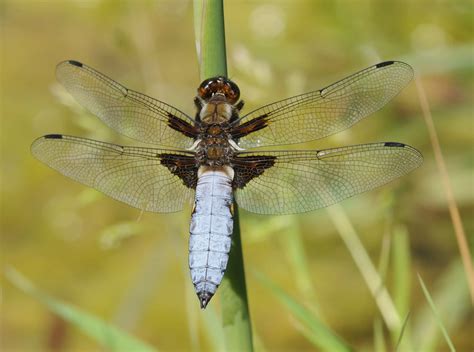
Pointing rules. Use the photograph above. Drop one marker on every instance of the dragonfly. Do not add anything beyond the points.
(215, 157)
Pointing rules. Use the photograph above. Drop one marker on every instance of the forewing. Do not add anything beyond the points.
(145, 178)
(128, 112)
(285, 182)
(321, 113)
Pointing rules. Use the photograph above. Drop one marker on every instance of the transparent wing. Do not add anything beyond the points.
(140, 177)
(128, 112)
(288, 182)
(321, 113)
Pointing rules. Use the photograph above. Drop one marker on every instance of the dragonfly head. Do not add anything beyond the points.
(218, 88)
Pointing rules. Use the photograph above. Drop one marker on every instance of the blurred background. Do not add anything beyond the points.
(131, 269)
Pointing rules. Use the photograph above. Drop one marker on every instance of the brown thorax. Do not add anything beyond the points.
(214, 148)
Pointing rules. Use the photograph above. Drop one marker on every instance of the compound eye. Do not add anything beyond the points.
(205, 88)
(232, 91)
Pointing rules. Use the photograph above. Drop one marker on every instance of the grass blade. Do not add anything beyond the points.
(379, 339)
(293, 246)
(436, 314)
(365, 266)
(385, 249)
(401, 266)
(104, 333)
(318, 333)
(212, 326)
(400, 346)
(451, 295)
(402, 285)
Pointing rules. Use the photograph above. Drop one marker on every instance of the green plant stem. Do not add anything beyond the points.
(210, 40)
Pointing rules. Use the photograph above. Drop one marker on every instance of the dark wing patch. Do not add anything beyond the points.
(184, 167)
(247, 168)
(248, 127)
(182, 126)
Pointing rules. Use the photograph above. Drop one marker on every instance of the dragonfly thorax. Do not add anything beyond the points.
(217, 110)
(214, 150)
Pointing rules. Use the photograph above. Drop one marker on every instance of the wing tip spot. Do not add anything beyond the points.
(385, 63)
(53, 136)
(394, 144)
(75, 63)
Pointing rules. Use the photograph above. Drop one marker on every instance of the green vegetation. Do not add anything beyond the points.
(106, 335)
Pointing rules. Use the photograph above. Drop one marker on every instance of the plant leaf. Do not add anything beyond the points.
(104, 333)
(436, 314)
(320, 335)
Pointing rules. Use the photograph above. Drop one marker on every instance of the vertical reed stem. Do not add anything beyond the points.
(210, 45)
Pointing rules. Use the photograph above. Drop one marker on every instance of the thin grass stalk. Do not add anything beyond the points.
(210, 43)
(448, 190)
(398, 346)
(451, 294)
(366, 267)
(436, 314)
